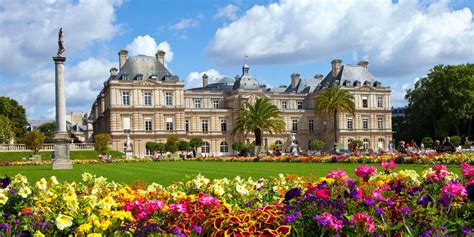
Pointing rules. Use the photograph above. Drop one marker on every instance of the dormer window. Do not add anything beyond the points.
(124, 77)
(139, 77)
(153, 77)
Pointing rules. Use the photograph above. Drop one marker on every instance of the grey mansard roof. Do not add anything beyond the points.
(147, 66)
(304, 86)
(350, 75)
(223, 84)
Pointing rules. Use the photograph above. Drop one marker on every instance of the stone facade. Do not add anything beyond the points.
(143, 100)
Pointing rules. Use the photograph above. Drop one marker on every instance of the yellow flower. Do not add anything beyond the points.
(86, 177)
(38, 234)
(241, 189)
(24, 192)
(42, 184)
(106, 203)
(70, 196)
(63, 221)
(94, 235)
(53, 180)
(3, 198)
(84, 228)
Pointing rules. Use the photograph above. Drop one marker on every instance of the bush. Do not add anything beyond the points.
(317, 144)
(237, 146)
(151, 146)
(101, 143)
(184, 146)
(172, 144)
(357, 143)
(196, 142)
(427, 141)
(456, 140)
(34, 141)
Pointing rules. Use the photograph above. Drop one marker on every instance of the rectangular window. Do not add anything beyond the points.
(197, 103)
(186, 125)
(294, 124)
(380, 123)
(126, 124)
(205, 125)
(223, 125)
(169, 98)
(215, 104)
(365, 123)
(365, 102)
(125, 98)
(349, 124)
(311, 125)
(379, 101)
(300, 104)
(147, 98)
(169, 124)
(148, 124)
(284, 104)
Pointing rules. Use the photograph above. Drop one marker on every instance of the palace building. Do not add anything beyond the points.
(142, 100)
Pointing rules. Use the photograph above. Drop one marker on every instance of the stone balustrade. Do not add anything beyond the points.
(46, 147)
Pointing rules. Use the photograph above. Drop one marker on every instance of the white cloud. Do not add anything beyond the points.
(194, 79)
(184, 24)
(147, 45)
(228, 12)
(29, 29)
(398, 38)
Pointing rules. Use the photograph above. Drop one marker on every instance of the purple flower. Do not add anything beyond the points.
(181, 235)
(290, 219)
(197, 229)
(466, 231)
(379, 210)
(444, 200)
(292, 193)
(5, 227)
(297, 213)
(424, 200)
(176, 230)
(13, 191)
(405, 210)
(5, 182)
(260, 181)
(369, 202)
(249, 203)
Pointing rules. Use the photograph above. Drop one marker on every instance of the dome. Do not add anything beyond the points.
(249, 83)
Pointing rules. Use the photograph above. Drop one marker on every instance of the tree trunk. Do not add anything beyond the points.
(335, 126)
(258, 137)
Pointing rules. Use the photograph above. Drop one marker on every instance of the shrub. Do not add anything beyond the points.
(172, 144)
(237, 146)
(151, 146)
(34, 141)
(317, 144)
(101, 143)
(160, 147)
(427, 141)
(196, 142)
(456, 140)
(184, 146)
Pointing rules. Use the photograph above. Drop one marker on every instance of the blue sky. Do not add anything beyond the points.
(402, 40)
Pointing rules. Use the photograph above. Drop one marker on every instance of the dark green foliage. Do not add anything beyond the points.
(442, 103)
(456, 140)
(427, 141)
(259, 117)
(15, 112)
(101, 143)
(160, 147)
(151, 146)
(6, 130)
(317, 144)
(172, 144)
(196, 142)
(49, 130)
(358, 143)
(237, 145)
(184, 146)
(34, 141)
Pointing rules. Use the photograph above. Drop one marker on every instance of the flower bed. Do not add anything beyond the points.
(382, 203)
(444, 158)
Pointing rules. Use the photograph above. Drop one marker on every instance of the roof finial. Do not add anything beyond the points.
(246, 57)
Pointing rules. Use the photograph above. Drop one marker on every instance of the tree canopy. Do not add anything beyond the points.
(259, 118)
(49, 130)
(34, 141)
(442, 103)
(15, 112)
(6, 130)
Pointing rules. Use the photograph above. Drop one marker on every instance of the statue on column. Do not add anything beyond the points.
(61, 48)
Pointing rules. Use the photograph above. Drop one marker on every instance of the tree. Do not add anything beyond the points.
(195, 143)
(238, 146)
(442, 103)
(456, 140)
(334, 100)
(34, 141)
(11, 109)
(6, 130)
(184, 146)
(151, 146)
(427, 141)
(259, 118)
(101, 143)
(172, 144)
(160, 147)
(49, 130)
(317, 144)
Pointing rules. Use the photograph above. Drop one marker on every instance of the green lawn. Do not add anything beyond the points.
(166, 172)
(46, 155)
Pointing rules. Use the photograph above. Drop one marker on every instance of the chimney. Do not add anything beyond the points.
(113, 72)
(295, 80)
(336, 66)
(364, 63)
(205, 80)
(123, 55)
(318, 77)
(160, 56)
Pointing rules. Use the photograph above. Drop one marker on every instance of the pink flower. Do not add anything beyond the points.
(467, 170)
(336, 174)
(327, 220)
(205, 199)
(439, 167)
(323, 193)
(128, 206)
(388, 165)
(365, 171)
(179, 207)
(454, 189)
(362, 219)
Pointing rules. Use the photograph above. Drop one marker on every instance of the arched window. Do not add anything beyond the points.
(224, 148)
(205, 148)
(366, 143)
(381, 143)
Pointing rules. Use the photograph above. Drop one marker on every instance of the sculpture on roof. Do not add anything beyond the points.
(61, 48)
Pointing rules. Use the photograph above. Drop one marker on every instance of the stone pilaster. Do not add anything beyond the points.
(62, 160)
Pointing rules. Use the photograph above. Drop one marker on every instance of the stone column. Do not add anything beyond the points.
(61, 149)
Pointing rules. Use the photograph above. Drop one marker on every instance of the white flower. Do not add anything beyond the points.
(153, 187)
(241, 189)
(3, 197)
(53, 180)
(86, 176)
(24, 192)
(42, 184)
(63, 221)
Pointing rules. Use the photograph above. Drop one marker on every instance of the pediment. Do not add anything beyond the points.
(366, 88)
(145, 83)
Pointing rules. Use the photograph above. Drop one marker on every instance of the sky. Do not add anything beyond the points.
(401, 39)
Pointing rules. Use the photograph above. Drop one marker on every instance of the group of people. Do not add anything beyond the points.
(412, 148)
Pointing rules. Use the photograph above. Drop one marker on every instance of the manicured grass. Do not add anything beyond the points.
(167, 172)
(46, 155)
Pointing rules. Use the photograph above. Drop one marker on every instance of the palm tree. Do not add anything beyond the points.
(258, 118)
(333, 100)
